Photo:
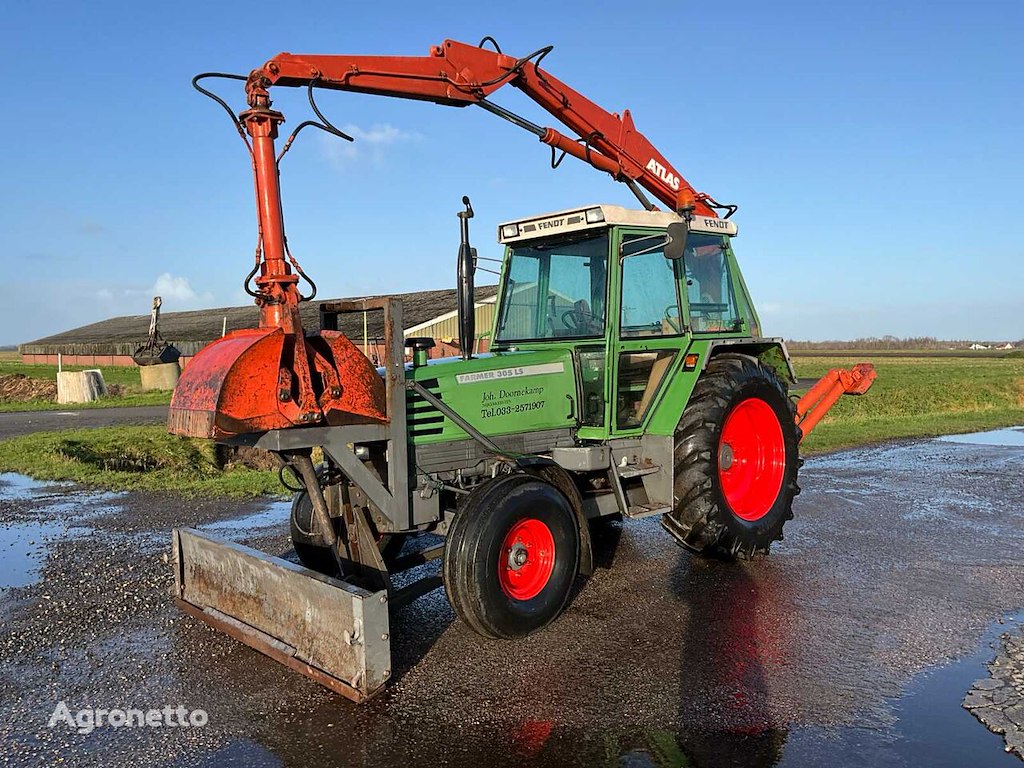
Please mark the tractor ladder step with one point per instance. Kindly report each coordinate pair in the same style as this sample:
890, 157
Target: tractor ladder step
635, 511
637, 470
638, 511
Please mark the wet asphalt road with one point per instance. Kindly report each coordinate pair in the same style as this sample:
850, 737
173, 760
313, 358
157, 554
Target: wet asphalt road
840, 648
25, 422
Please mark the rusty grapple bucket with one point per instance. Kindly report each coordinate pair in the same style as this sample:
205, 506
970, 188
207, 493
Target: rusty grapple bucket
333, 632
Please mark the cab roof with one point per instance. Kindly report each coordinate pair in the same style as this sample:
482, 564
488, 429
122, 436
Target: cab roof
597, 216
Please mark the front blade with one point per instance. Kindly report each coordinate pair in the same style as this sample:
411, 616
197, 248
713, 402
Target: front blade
330, 631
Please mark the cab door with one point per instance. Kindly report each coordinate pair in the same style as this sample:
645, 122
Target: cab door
648, 334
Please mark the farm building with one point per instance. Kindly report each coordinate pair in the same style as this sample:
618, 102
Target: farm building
112, 342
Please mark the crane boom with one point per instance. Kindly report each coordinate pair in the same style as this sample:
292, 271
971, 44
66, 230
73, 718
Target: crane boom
456, 74
323, 378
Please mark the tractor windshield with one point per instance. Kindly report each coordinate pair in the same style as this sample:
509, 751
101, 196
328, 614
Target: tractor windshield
709, 286
555, 289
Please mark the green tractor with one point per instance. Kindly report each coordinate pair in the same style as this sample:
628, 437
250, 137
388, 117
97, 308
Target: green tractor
627, 377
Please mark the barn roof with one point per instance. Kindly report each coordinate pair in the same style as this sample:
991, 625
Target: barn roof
190, 331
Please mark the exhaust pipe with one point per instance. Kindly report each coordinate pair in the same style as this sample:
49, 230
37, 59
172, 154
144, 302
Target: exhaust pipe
467, 268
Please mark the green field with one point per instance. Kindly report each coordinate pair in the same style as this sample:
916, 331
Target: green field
125, 377
919, 397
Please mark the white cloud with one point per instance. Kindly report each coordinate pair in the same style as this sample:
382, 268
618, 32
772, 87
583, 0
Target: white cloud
370, 144
175, 290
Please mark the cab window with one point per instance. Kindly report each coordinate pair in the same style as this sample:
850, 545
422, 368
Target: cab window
555, 289
709, 290
650, 289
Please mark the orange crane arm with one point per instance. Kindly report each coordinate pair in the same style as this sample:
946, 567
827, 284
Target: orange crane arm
456, 74
812, 407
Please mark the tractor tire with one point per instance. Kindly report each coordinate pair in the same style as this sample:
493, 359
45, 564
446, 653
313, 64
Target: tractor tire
736, 461
511, 556
321, 559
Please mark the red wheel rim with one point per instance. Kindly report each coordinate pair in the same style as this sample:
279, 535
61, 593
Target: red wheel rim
526, 559
751, 459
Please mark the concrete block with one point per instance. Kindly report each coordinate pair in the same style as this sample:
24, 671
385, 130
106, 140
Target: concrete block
80, 386
163, 376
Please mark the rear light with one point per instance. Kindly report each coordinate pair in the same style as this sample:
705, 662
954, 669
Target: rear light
690, 362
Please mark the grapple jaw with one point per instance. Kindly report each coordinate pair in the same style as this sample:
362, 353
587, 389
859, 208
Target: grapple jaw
158, 354
245, 382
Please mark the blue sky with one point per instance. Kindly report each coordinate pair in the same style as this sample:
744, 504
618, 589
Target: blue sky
874, 149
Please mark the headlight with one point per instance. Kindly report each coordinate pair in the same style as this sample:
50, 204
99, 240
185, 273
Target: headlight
509, 230
594, 215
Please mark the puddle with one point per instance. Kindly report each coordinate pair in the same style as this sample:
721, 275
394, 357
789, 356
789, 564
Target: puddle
14, 486
268, 517
933, 728
1008, 438
242, 752
22, 547
24, 544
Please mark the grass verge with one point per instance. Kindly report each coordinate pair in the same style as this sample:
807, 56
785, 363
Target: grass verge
132, 458
919, 397
132, 399
127, 376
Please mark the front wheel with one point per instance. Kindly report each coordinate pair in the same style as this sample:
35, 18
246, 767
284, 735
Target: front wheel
511, 556
736, 461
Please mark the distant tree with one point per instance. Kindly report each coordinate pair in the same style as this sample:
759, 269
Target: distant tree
885, 342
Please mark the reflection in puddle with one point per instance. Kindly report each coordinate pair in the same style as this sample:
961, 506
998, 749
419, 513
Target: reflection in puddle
15, 486
22, 546
932, 728
1009, 438
270, 516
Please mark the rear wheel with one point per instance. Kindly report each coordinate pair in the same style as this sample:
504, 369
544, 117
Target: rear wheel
736, 461
511, 556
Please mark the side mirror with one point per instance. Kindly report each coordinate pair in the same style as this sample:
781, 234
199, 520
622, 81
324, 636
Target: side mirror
675, 240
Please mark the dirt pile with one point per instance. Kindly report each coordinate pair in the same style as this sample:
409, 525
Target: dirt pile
228, 456
19, 388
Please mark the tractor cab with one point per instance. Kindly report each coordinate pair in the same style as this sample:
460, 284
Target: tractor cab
564, 271
602, 280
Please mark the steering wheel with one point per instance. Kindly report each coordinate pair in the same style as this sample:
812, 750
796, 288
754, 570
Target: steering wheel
575, 320
674, 322
579, 319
